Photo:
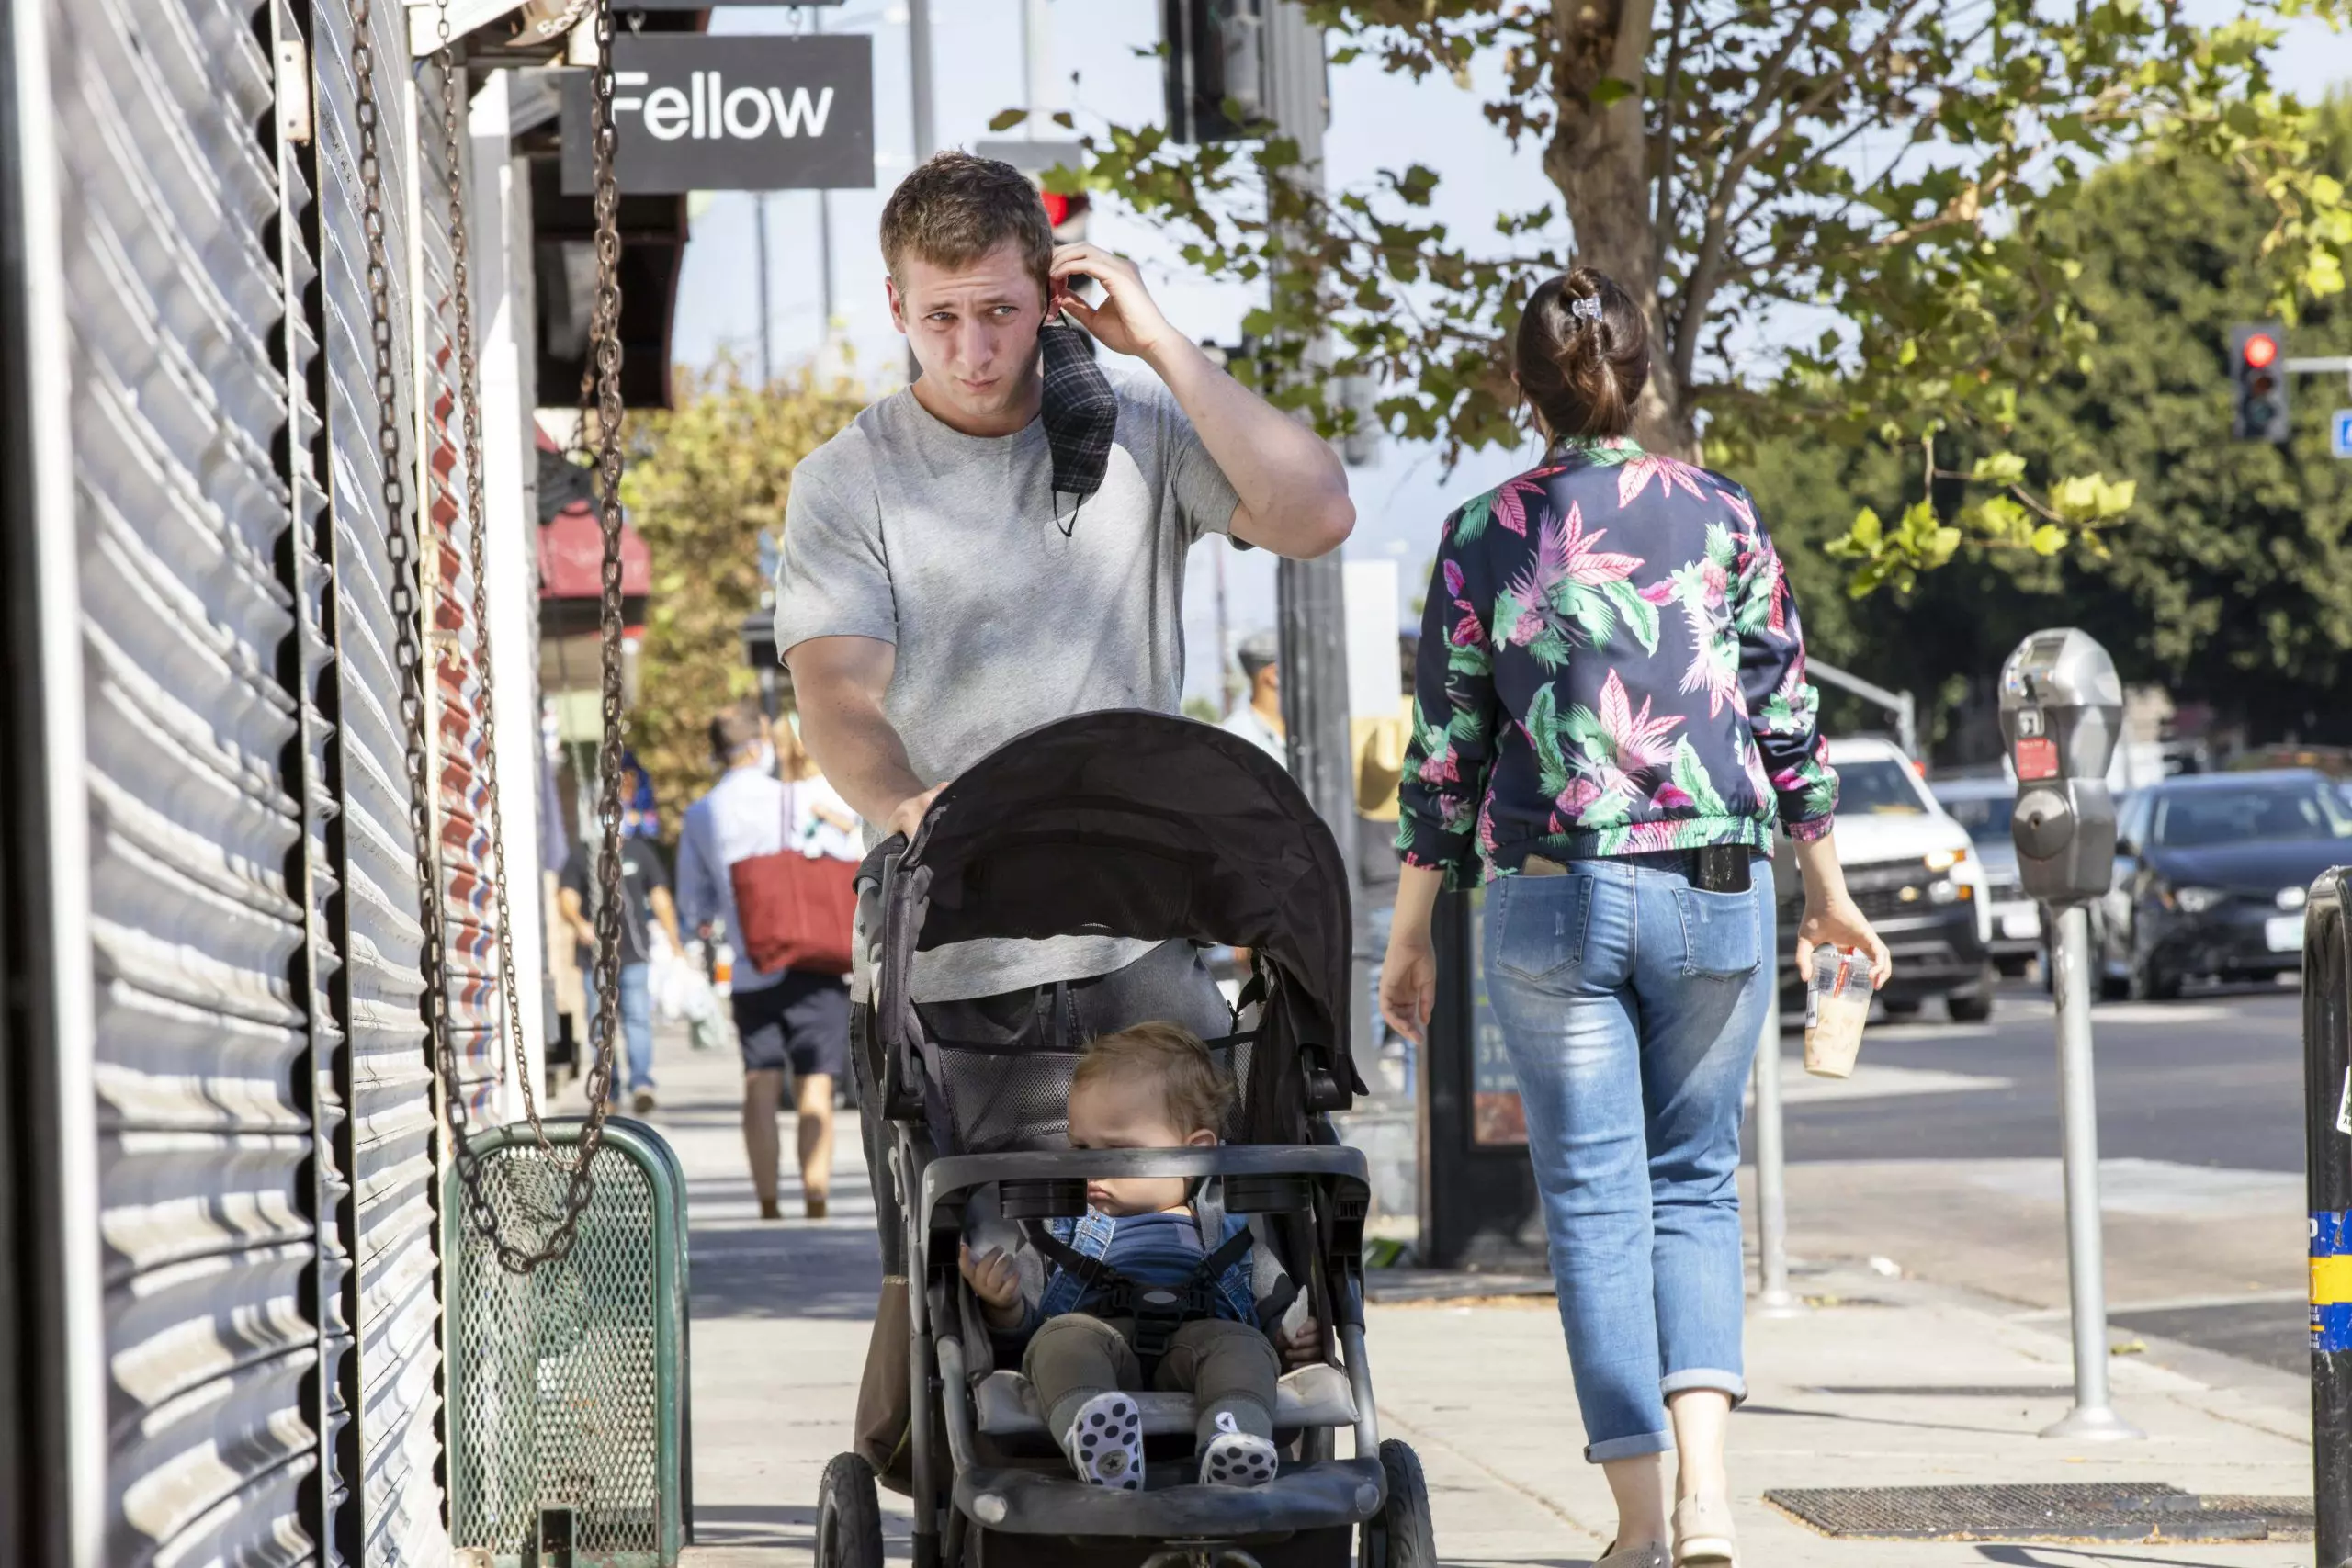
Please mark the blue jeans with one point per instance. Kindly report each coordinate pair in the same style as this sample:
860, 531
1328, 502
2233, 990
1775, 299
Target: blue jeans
636, 1020
1630, 1002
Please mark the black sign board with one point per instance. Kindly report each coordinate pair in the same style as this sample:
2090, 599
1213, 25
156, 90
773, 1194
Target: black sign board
735, 112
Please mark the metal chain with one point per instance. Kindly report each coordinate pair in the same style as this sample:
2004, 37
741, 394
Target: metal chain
405, 551
476, 509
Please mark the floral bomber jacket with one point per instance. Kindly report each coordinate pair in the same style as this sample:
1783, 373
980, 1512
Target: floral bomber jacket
1610, 663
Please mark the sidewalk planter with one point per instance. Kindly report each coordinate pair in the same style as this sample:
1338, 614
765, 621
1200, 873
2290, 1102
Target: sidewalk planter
568, 1386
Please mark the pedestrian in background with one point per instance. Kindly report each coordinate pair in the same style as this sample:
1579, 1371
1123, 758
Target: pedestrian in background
1612, 715
645, 898
786, 1021
1260, 720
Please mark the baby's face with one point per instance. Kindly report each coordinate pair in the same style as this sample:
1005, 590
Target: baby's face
1123, 1112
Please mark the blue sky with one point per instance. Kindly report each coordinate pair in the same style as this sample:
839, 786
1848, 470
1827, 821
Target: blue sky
1377, 122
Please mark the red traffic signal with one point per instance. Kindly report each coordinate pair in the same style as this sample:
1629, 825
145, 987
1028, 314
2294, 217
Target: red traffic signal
2258, 368
1067, 214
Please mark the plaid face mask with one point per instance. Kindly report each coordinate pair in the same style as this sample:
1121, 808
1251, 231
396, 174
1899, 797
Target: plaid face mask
1081, 414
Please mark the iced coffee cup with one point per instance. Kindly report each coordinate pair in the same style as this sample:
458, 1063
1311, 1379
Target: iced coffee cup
1836, 1006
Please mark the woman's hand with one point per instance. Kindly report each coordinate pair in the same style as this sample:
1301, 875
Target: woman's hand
1408, 974
1301, 1347
995, 1282
1409, 983
1836, 921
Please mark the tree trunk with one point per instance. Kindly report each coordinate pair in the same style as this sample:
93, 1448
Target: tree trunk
1598, 161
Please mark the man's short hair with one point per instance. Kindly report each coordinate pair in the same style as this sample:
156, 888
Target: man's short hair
1259, 651
737, 725
955, 208
1194, 1088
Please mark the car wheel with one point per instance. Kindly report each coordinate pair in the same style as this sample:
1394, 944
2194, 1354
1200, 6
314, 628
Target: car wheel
2152, 982
1902, 1007
1972, 1006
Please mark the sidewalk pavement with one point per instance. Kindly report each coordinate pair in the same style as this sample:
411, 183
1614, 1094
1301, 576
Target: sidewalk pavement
1882, 1381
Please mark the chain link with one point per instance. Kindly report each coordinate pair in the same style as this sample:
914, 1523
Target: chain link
404, 544
476, 509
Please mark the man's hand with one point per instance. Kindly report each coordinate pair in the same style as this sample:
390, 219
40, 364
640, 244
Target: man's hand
907, 816
995, 1282
1301, 1347
1128, 320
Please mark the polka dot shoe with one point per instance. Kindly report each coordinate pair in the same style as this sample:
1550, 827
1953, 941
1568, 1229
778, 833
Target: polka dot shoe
1105, 1443
1236, 1457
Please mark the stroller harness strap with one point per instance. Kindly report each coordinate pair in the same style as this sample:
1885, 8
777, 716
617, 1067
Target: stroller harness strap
1158, 1310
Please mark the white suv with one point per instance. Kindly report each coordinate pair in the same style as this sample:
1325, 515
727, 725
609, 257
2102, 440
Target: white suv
1915, 872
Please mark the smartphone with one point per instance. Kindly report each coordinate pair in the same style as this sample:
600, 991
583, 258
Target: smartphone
1724, 868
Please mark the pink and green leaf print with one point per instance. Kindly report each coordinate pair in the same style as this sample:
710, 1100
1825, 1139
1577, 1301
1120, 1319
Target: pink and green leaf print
1558, 712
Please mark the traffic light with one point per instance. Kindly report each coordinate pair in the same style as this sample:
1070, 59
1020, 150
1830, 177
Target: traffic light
1067, 214
2258, 360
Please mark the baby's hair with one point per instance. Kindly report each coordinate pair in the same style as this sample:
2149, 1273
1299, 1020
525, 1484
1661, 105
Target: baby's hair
1195, 1087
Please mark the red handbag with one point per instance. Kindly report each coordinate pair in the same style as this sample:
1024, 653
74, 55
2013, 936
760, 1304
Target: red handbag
796, 911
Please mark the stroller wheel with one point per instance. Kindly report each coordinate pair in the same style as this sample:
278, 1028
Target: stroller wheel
1399, 1536
849, 1517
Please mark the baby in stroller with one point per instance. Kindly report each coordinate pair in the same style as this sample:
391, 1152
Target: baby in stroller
1155, 1286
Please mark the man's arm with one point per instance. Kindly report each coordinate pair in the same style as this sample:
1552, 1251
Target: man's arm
839, 684
575, 915
697, 900
665, 909
1292, 488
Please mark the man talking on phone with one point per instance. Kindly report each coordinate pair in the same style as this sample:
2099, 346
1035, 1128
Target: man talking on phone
1002, 543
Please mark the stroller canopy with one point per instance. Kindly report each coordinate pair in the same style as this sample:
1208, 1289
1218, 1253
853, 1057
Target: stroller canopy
1141, 825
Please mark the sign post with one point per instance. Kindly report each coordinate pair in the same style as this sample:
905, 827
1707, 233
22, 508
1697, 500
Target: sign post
738, 112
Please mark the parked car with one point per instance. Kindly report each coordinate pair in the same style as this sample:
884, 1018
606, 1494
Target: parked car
1983, 805
2211, 870
1916, 873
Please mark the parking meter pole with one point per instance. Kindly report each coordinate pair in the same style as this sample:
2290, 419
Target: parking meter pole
2092, 1415
2061, 708
2327, 1096
1772, 1297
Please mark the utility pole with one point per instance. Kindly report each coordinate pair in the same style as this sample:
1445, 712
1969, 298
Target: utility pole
1312, 604
825, 361
919, 84
767, 312
1038, 62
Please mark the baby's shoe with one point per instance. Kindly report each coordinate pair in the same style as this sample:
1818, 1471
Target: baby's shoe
1106, 1442
1236, 1457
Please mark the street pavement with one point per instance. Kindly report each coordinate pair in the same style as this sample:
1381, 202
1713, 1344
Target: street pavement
1942, 1153
1922, 1377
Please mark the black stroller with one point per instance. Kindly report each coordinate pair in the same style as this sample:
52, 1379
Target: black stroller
1134, 825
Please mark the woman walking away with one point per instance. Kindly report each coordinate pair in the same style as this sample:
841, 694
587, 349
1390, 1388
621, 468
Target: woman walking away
1612, 715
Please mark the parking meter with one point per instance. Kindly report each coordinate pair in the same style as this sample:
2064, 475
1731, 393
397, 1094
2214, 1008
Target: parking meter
2061, 708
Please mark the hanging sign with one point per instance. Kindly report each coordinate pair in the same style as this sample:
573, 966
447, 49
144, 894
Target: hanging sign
736, 112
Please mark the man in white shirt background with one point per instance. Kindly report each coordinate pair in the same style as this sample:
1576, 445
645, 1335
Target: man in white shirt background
1260, 720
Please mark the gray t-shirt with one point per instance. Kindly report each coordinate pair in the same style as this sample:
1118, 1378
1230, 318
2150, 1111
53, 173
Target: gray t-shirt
1011, 606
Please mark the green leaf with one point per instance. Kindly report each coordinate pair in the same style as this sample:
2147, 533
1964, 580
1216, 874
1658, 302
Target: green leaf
1609, 90
1641, 616
1998, 467
2048, 539
1691, 776
1005, 120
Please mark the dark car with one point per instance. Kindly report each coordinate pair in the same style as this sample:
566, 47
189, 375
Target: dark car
2210, 875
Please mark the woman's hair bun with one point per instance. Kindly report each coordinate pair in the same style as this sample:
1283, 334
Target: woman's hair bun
1582, 354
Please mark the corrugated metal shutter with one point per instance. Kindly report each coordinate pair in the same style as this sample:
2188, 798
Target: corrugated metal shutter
202, 1048
394, 1513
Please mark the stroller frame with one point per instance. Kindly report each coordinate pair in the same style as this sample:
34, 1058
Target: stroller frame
1312, 1195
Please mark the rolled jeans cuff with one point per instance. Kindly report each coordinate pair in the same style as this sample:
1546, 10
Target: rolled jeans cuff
1628, 1447
1715, 1377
